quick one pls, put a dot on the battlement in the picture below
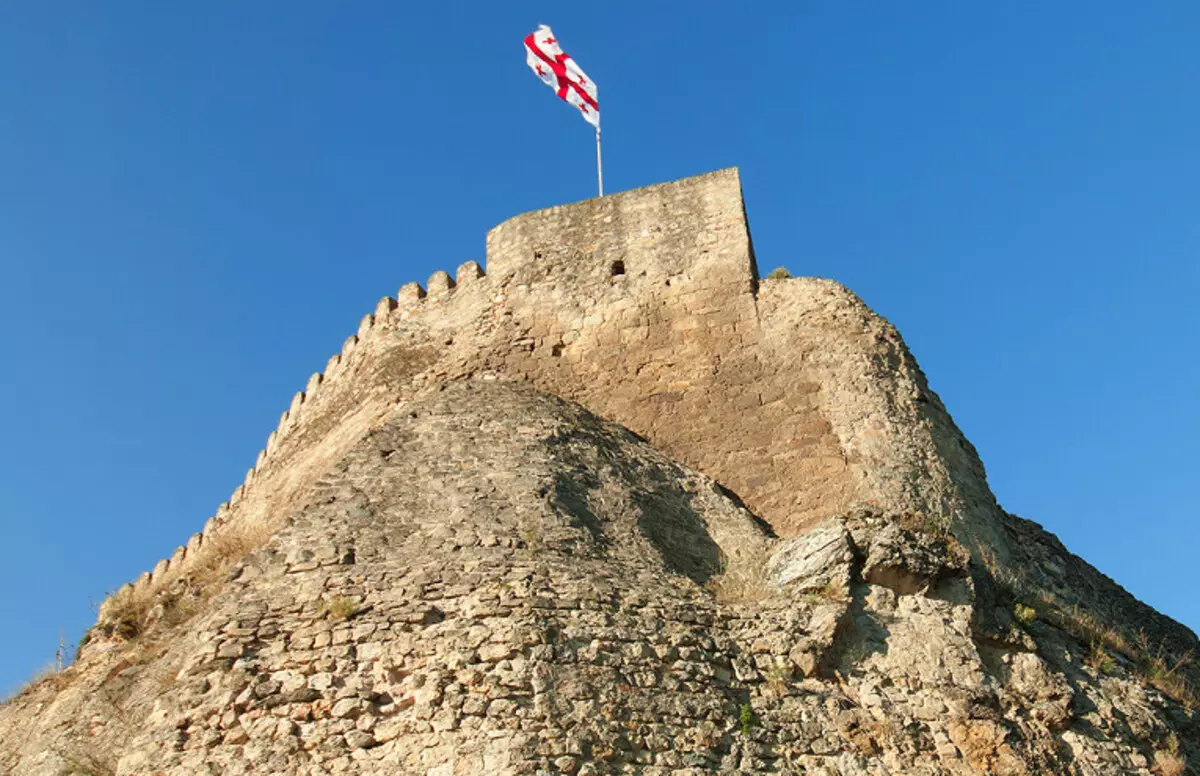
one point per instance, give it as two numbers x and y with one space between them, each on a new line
646 307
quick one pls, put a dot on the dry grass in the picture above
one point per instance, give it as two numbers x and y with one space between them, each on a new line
50 676
85 762
778 677
340 607
233 542
1169 764
132 612
740 582
1099 659
827 593
1157 666
1162 670
128 610
919 522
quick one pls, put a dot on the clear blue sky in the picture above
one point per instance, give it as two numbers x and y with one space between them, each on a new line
199 201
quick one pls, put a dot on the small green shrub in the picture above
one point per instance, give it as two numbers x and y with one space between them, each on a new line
1024 614
746 719
83 642
920 522
779 273
1099 659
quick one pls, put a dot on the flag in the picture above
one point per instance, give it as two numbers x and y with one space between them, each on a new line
558 71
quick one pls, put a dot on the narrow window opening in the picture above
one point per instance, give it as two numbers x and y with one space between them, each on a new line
556 350
618 268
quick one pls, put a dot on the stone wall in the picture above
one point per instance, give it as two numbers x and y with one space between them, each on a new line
646 307
460 570
493 582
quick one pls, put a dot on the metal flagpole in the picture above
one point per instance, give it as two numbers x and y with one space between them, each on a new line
599 167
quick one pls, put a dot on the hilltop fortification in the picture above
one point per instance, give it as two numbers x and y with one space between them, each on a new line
646 307
617 506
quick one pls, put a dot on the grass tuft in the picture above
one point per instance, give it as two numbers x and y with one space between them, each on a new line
340 607
778 677
1169 764
1156 666
1099 659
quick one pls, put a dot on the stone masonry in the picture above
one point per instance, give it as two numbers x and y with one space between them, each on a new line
494 582
617 506
646 308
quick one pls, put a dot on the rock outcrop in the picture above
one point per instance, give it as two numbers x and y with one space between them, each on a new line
618 506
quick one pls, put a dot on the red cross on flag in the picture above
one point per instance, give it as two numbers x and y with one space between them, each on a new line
558 71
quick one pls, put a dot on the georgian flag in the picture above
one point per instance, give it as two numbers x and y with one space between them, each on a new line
558 71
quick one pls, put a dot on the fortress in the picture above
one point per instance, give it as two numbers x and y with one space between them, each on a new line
618 506
646 307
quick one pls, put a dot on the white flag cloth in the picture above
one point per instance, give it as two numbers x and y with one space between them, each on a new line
558 71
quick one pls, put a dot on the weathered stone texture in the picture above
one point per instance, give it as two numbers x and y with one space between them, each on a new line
494 582
467 572
645 307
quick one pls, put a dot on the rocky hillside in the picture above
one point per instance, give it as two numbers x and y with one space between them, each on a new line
618 506
494 581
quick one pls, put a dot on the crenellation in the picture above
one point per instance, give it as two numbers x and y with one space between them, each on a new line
410 294
467 272
440 284
332 365
313 382
365 325
297 403
348 347
385 306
